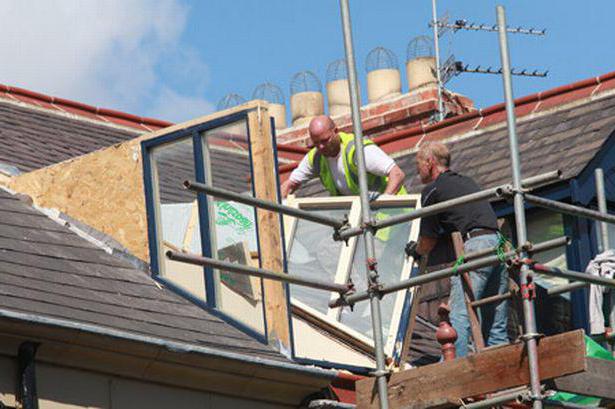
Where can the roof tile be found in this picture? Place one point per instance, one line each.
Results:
(48, 270)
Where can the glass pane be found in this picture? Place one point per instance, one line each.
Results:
(389, 245)
(234, 239)
(177, 213)
(314, 254)
(545, 225)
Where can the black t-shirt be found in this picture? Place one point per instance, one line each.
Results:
(462, 218)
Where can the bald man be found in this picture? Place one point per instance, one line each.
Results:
(332, 159)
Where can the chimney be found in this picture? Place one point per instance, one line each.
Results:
(420, 63)
(338, 96)
(383, 78)
(230, 101)
(306, 100)
(272, 94)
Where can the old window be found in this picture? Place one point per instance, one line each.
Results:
(313, 253)
(543, 225)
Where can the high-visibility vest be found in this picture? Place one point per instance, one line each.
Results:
(374, 182)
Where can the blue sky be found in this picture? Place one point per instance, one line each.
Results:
(175, 59)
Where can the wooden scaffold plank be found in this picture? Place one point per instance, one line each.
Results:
(498, 368)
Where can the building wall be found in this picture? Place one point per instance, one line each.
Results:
(62, 388)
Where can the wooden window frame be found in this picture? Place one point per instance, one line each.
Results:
(347, 252)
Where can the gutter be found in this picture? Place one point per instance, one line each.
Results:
(173, 346)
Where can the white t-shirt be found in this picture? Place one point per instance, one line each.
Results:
(376, 162)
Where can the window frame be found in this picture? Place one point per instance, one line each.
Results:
(344, 267)
(196, 134)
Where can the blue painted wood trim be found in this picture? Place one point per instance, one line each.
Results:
(605, 159)
(150, 211)
(283, 239)
(580, 253)
(204, 227)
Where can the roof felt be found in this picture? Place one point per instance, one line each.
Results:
(47, 270)
(32, 138)
(565, 139)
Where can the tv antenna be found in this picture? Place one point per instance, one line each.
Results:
(452, 67)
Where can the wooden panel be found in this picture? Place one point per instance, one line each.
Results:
(597, 380)
(491, 370)
(269, 234)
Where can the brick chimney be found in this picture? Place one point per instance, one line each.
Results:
(407, 110)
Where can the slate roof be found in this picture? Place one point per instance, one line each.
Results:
(565, 139)
(32, 138)
(47, 270)
(42, 130)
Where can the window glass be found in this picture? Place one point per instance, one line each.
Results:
(314, 254)
(389, 244)
(543, 225)
(234, 238)
(177, 214)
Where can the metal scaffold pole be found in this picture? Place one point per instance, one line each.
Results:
(436, 41)
(601, 196)
(530, 335)
(368, 238)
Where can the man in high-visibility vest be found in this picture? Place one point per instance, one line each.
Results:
(332, 159)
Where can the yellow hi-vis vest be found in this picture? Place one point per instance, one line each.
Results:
(374, 182)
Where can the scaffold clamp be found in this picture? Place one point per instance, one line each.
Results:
(530, 335)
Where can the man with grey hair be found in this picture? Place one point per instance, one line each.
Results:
(477, 224)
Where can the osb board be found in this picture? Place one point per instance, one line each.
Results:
(104, 189)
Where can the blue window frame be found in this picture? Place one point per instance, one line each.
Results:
(184, 221)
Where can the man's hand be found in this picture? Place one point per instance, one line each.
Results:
(411, 250)
(288, 187)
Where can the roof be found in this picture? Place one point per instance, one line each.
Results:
(39, 130)
(66, 106)
(47, 270)
(27, 133)
(561, 129)
(565, 139)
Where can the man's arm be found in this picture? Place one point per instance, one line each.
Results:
(425, 245)
(379, 163)
(396, 180)
(416, 250)
(300, 174)
(288, 187)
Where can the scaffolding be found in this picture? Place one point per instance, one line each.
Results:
(519, 258)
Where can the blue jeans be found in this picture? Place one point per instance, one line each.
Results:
(486, 281)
